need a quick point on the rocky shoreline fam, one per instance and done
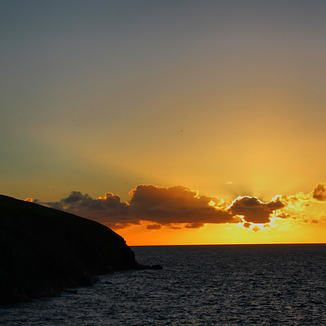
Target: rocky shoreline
(44, 251)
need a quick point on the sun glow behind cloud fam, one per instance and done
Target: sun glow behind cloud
(176, 210)
(226, 97)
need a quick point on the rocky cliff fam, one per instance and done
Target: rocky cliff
(44, 251)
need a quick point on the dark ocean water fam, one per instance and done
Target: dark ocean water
(199, 285)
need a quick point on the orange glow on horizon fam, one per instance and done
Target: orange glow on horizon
(210, 234)
(177, 215)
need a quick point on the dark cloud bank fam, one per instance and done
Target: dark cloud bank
(166, 207)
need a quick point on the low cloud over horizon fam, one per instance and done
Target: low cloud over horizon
(179, 206)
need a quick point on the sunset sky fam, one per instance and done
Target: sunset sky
(173, 122)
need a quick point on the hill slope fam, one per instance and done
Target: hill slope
(43, 251)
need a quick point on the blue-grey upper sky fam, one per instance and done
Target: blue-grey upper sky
(226, 97)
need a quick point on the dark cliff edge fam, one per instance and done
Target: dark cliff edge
(44, 251)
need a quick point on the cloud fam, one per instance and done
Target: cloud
(319, 192)
(107, 209)
(178, 206)
(256, 228)
(153, 227)
(253, 210)
(194, 225)
(161, 206)
(304, 207)
(283, 215)
(75, 197)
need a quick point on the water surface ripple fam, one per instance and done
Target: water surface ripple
(199, 285)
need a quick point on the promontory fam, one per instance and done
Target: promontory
(44, 251)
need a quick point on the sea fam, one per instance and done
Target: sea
(199, 285)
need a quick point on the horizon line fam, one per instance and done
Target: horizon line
(232, 244)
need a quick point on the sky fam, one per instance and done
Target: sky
(172, 122)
